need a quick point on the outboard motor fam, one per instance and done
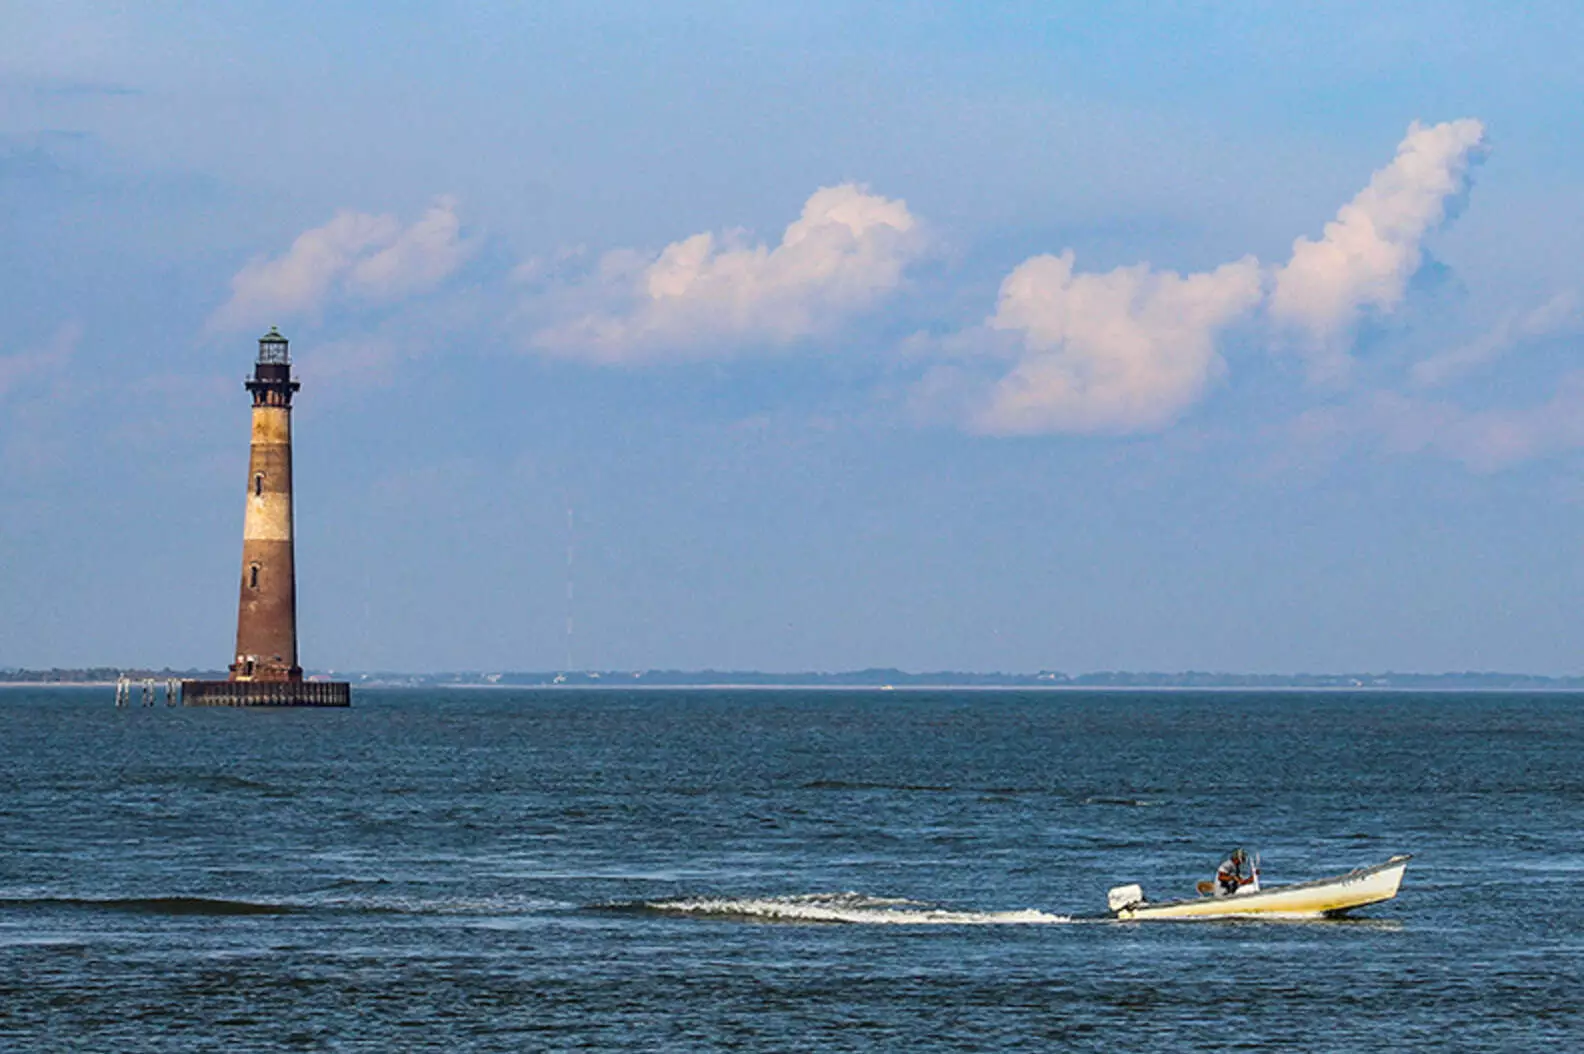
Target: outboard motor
(1120, 898)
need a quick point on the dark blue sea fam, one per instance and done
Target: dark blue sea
(782, 871)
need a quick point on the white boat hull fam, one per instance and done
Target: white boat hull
(1323, 897)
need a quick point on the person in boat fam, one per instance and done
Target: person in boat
(1237, 874)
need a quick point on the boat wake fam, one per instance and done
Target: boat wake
(853, 908)
(177, 905)
(309, 904)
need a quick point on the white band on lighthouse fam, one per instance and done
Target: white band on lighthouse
(269, 518)
(269, 505)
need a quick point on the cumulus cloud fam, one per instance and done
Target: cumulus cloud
(1366, 256)
(1125, 351)
(709, 295)
(1132, 349)
(421, 257)
(1561, 314)
(356, 254)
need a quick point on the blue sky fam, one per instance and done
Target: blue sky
(1013, 336)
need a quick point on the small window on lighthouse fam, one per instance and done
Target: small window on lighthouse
(253, 576)
(258, 485)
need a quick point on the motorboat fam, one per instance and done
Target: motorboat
(1322, 898)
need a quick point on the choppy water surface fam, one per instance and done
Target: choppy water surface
(765, 870)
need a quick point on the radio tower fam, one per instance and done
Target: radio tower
(571, 548)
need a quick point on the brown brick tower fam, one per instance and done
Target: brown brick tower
(265, 670)
(266, 642)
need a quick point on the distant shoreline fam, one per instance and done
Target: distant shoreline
(869, 679)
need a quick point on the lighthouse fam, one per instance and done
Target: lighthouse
(264, 670)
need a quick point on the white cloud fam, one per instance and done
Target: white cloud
(421, 257)
(1125, 351)
(1131, 350)
(1561, 314)
(1369, 252)
(357, 254)
(709, 295)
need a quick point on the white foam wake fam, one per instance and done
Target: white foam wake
(851, 908)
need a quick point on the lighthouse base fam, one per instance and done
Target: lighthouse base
(266, 693)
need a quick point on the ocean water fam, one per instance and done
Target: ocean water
(782, 870)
